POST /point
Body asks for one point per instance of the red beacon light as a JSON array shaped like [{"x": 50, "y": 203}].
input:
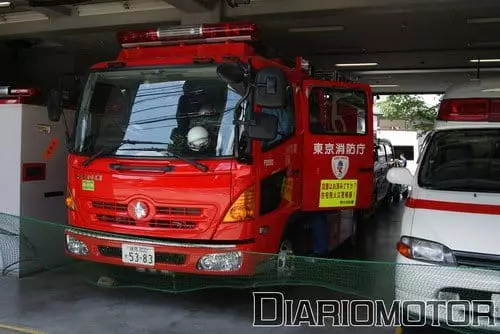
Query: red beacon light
[
  {"x": 469, "y": 110},
  {"x": 204, "y": 33},
  {"x": 6, "y": 91}
]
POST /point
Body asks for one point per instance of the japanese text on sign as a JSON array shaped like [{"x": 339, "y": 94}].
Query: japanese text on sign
[
  {"x": 338, "y": 193},
  {"x": 339, "y": 148}
]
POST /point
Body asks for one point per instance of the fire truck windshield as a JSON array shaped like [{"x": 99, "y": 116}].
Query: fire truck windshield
[{"x": 186, "y": 110}]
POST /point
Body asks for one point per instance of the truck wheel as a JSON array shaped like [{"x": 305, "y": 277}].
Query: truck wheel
[
  {"x": 355, "y": 228},
  {"x": 285, "y": 265}
]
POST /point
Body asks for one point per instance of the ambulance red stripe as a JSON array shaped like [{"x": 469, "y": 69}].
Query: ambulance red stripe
[{"x": 453, "y": 206}]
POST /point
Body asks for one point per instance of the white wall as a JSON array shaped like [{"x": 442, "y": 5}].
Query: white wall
[
  {"x": 43, "y": 219},
  {"x": 10, "y": 178},
  {"x": 403, "y": 138}
]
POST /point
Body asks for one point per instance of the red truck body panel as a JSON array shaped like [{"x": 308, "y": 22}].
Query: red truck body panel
[{"x": 186, "y": 206}]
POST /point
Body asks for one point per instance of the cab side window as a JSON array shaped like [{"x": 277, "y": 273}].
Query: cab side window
[
  {"x": 381, "y": 154},
  {"x": 337, "y": 111},
  {"x": 389, "y": 152},
  {"x": 286, "y": 121}
]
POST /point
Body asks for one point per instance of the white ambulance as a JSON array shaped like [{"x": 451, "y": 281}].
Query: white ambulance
[{"x": 449, "y": 248}]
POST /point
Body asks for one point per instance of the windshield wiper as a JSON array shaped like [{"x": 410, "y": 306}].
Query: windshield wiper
[
  {"x": 194, "y": 163},
  {"x": 108, "y": 149}
]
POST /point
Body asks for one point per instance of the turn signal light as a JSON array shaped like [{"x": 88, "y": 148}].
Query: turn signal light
[
  {"x": 404, "y": 249},
  {"x": 243, "y": 208},
  {"x": 70, "y": 201}
]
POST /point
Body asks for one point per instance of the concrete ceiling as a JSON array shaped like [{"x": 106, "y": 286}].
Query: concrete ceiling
[{"x": 419, "y": 45}]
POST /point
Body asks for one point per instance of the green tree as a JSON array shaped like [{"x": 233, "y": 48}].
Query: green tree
[{"x": 412, "y": 109}]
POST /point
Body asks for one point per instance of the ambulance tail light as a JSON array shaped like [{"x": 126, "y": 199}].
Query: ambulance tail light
[
  {"x": 204, "y": 33},
  {"x": 243, "y": 208}
]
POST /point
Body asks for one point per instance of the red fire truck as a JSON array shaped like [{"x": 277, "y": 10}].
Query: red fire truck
[{"x": 190, "y": 150}]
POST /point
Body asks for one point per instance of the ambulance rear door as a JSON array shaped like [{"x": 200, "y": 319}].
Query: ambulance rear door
[{"x": 338, "y": 146}]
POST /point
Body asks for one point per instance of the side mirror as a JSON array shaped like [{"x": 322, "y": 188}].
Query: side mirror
[
  {"x": 398, "y": 175},
  {"x": 271, "y": 87},
  {"x": 54, "y": 107},
  {"x": 264, "y": 127},
  {"x": 231, "y": 73}
]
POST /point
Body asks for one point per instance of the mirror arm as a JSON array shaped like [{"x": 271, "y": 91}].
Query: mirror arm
[{"x": 238, "y": 110}]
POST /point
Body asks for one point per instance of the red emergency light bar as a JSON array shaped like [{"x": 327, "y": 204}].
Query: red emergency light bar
[
  {"x": 204, "y": 33},
  {"x": 470, "y": 110},
  {"x": 6, "y": 91}
]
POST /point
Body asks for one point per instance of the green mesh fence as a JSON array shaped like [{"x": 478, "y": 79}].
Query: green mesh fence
[{"x": 29, "y": 247}]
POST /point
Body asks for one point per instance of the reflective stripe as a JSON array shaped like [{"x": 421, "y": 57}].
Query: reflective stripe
[{"x": 487, "y": 209}]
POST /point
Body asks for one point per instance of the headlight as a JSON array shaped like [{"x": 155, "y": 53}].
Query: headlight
[
  {"x": 221, "y": 262},
  {"x": 76, "y": 246},
  {"x": 424, "y": 250}
]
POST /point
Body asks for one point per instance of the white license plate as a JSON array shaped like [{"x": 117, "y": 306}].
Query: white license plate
[{"x": 140, "y": 255}]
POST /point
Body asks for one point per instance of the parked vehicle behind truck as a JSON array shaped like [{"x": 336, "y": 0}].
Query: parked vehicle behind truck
[{"x": 207, "y": 150}]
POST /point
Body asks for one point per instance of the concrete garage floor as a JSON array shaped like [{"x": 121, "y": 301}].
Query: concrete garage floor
[{"x": 62, "y": 302}]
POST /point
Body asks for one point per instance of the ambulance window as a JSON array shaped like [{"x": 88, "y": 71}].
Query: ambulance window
[
  {"x": 337, "y": 111},
  {"x": 286, "y": 121},
  {"x": 462, "y": 160}
]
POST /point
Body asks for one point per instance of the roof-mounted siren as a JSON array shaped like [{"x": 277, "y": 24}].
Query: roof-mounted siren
[
  {"x": 10, "y": 95},
  {"x": 193, "y": 34},
  {"x": 469, "y": 110}
]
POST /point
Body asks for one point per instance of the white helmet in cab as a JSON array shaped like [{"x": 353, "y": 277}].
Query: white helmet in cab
[{"x": 197, "y": 138}]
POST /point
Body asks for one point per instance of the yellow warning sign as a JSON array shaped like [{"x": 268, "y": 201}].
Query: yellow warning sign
[
  {"x": 287, "y": 188},
  {"x": 338, "y": 193}
]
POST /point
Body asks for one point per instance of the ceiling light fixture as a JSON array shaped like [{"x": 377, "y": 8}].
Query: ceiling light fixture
[
  {"x": 383, "y": 86},
  {"x": 19, "y": 17},
  {"x": 317, "y": 29},
  {"x": 356, "y": 64},
  {"x": 130, "y": 6},
  {"x": 492, "y": 60},
  {"x": 5, "y": 4},
  {"x": 483, "y": 20}
]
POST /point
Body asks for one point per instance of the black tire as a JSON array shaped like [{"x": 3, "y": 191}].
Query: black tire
[
  {"x": 353, "y": 240},
  {"x": 285, "y": 267},
  {"x": 406, "y": 194},
  {"x": 370, "y": 212}
]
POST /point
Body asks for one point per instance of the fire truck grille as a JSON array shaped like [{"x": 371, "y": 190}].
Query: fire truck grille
[
  {"x": 169, "y": 258},
  {"x": 173, "y": 224},
  {"x": 115, "y": 220},
  {"x": 172, "y": 211},
  {"x": 178, "y": 211},
  {"x": 157, "y": 223},
  {"x": 109, "y": 206}
]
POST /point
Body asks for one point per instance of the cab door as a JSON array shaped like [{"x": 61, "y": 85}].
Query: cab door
[{"x": 338, "y": 159}]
